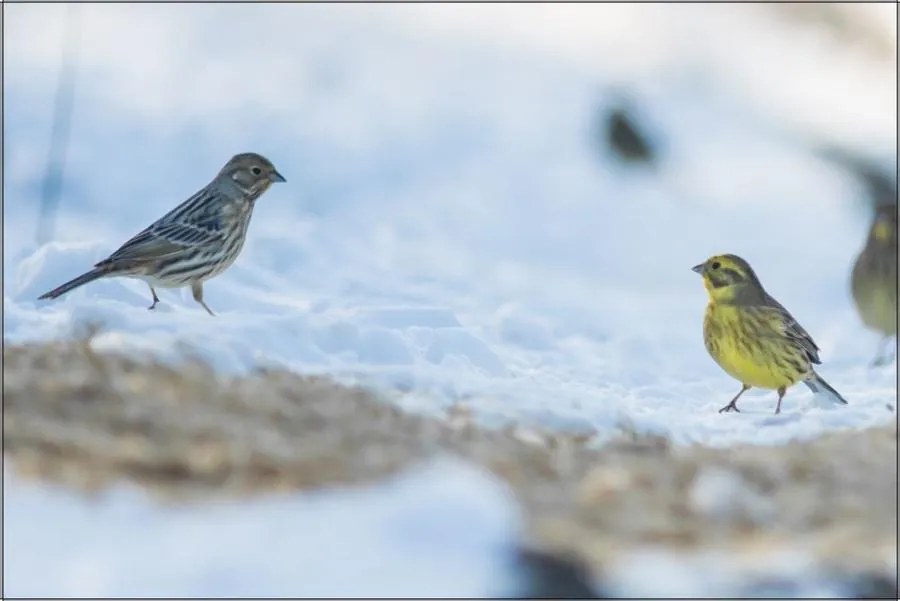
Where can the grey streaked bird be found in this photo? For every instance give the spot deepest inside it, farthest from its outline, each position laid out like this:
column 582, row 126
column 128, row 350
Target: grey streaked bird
column 196, row 240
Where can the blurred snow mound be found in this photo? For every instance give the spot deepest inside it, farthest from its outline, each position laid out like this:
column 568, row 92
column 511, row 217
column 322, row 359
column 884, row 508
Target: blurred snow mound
column 444, row 528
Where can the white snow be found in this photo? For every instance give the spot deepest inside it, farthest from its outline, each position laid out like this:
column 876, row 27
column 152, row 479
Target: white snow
column 449, row 232
column 723, row 495
column 441, row 529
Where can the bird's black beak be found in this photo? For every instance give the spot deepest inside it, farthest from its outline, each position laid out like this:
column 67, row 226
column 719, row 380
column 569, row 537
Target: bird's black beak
column 698, row 268
column 276, row 177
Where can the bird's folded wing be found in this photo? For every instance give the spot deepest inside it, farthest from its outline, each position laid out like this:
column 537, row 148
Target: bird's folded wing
column 164, row 239
column 793, row 331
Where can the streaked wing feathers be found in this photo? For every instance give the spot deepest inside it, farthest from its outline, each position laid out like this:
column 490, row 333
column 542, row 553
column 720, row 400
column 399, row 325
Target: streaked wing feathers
column 794, row 331
column 165, row 238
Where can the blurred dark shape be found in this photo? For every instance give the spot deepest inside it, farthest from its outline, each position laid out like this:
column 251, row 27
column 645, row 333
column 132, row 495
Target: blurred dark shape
column 880, row 181
column 874, row 586
column 59, row 134
column 623, row 135
column 546, row 576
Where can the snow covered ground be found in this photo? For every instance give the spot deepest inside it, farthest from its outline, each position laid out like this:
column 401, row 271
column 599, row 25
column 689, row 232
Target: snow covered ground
column 449, row 232
column 448, row 227
column 443, row 529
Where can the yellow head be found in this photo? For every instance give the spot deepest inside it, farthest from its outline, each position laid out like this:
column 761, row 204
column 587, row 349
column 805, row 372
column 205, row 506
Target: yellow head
column 884, row 226
column 729, row 278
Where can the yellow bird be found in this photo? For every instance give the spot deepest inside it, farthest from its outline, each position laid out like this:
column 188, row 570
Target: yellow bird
column 752, row 337
column 874, row 279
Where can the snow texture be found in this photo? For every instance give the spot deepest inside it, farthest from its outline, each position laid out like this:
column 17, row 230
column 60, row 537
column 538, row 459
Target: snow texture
column 442, row 529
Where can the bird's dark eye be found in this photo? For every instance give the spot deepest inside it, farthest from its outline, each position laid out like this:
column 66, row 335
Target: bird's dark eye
column 256, row 171
column 716, row 265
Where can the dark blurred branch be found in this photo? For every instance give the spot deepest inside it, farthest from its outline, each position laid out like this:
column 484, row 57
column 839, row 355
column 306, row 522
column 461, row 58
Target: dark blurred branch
column 59, row 135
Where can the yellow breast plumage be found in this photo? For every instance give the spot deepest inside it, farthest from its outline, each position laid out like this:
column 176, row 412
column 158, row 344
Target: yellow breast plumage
column 749, row 347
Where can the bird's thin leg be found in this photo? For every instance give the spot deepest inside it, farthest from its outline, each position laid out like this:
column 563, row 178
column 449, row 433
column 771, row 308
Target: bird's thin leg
column 197, row 290
column 155, row 298
column 732, row 406
column 780, row 396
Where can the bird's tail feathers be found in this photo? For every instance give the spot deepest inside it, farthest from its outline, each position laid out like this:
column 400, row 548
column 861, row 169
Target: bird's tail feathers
column 90, row 276
column 818, row 385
